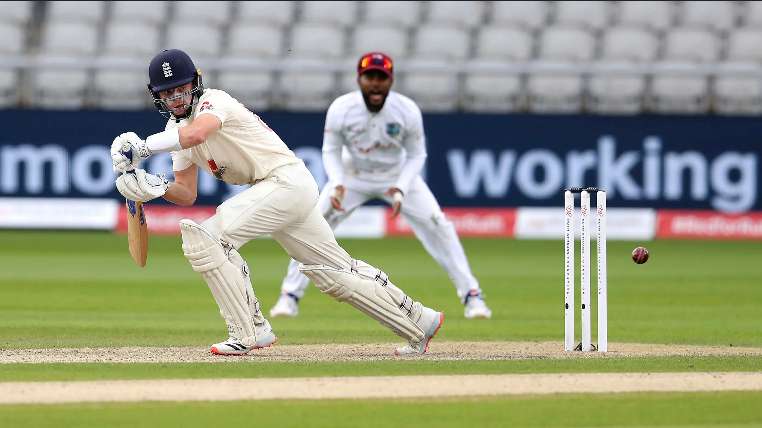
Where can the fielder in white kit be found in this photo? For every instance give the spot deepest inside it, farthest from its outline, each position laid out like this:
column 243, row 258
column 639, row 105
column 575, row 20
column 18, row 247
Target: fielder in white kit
column 380, row 134
column 210, row 130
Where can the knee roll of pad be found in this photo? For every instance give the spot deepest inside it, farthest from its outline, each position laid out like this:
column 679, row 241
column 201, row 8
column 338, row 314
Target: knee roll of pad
column 203, row 251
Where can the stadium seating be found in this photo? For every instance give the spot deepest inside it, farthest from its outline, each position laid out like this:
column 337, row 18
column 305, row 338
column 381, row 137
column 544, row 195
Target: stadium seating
column 589, row 15
column 486, row 56
column 86, row 12
column 530, row 15
column 652, row 15
column 464, row 14
column 340, row 13
column 275, row 13
column 403, row 14
column 215, row 13
column 139, row 12
column 560, row 92
column 16, row 12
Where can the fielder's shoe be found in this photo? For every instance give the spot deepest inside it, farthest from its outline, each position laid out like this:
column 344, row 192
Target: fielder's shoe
column 286, row 306
column 234, row 346
column 475, row 306
column 432, row 320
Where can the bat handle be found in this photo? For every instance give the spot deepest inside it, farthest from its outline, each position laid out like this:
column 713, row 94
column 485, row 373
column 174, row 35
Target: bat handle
column 128, row 154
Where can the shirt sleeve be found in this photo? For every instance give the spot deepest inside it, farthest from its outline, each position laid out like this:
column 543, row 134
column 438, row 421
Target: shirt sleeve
column 180, row 160
column 333, row 142
column 415, row 146
column 215, row 103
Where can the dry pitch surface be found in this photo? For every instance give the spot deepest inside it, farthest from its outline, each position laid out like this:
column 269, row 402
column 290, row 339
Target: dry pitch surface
column 366, row 387
column 449, row 351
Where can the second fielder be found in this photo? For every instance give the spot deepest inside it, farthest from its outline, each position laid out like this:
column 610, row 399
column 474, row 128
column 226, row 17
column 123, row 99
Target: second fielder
column 380, row 132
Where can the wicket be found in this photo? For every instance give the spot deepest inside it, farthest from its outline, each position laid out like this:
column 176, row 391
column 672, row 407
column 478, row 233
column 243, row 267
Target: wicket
column 569, row 284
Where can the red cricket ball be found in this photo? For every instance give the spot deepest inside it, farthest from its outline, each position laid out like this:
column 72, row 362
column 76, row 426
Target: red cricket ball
column 640, row 255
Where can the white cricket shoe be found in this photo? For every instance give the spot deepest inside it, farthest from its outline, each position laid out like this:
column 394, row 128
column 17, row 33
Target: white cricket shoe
column 475, row 307
column 433, row 320
column 286, row 306
column 234, row 346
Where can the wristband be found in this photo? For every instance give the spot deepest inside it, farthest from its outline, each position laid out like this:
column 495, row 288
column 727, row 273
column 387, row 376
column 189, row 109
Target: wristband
column 166, row 141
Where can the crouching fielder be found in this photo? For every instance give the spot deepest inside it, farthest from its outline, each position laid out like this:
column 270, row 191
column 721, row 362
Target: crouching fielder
column 210, row 130
column 381, row 132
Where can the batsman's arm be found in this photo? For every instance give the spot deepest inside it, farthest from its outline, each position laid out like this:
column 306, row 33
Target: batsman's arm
column 184, row 189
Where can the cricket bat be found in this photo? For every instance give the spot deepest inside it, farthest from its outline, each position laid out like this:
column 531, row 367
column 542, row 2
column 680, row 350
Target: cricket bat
column 137, row 232
column 137, row 228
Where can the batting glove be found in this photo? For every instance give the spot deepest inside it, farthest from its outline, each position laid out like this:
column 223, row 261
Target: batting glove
column 138, row 185
column 127, row 151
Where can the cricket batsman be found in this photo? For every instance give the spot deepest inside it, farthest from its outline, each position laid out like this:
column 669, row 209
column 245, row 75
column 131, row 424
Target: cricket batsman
column 380, row 133
column 207, row 129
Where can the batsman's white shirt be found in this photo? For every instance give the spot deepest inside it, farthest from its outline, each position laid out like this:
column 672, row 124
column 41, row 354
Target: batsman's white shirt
column 243, row 151
column 282, row 199
column 388, row 146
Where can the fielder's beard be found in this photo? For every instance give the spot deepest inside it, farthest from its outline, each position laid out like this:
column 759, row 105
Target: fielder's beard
column 375, row 108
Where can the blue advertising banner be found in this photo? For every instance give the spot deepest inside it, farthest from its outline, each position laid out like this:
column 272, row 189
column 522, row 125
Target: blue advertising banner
column 705, row 162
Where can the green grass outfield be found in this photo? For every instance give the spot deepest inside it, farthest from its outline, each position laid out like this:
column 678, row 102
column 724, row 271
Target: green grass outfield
column 78, row 289
column 732, row 409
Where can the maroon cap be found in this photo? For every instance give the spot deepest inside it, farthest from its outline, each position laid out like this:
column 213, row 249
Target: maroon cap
column 375, row 61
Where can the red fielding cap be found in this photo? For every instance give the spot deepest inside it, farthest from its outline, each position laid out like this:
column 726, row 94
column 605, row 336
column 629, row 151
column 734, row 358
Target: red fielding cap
column 375, row 61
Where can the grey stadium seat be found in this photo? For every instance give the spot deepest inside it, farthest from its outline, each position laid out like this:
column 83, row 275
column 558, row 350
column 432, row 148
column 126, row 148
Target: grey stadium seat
column 618, row 93
column 254, row 41
column 489, row 91
column 404, row 14
column 274, row 13
column 752, row 14
column 130, row 94
column 499, row 42
column 64, row 89
column 590, row 15
column 314, row 90
column 197, row 39
column 654, row 15
column 252, row 88
column 672, row 93
column 343, row 13
column 530, row 15
column 465, row 14
column 90, row 12
column 67, row 39
column 738, row 95
column 140, row 12
column 13, row 37
column 712, row 15
column 745, row 45
column 132, row 39
column 372, row 37
column 440, row 42
column 679, row 94
column 215, row 13
column 560, row 92
column 689, row 44
column 432, row 90
column 16, row 12
column 9, row 88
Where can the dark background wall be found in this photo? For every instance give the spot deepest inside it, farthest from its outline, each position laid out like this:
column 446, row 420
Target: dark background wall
column 706, row 162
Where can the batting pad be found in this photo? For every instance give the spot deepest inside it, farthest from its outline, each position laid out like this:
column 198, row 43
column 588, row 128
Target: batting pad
column 228, row 286
column 369, row 290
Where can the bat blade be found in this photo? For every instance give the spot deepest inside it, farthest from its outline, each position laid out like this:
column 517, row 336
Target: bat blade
column 137, row 232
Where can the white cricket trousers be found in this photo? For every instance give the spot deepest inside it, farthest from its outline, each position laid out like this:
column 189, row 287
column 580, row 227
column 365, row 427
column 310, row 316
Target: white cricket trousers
column 284, row 206
column 420, row 209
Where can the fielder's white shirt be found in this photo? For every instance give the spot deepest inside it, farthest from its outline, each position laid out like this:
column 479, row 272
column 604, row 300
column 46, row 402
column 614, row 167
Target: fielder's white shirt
column 243, row 150
column 387, row 146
